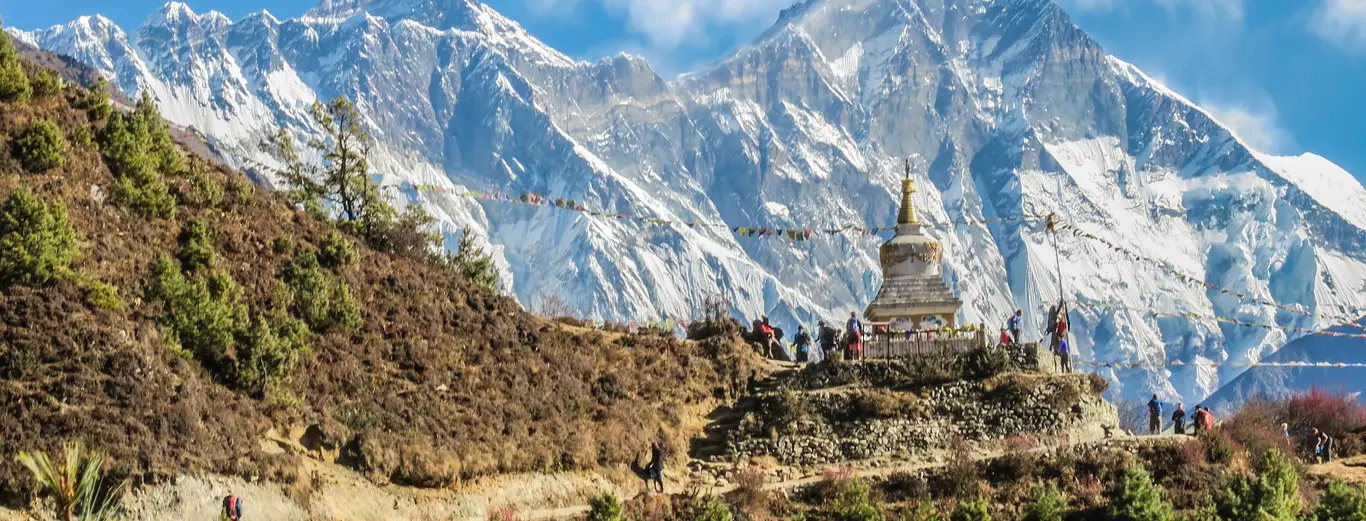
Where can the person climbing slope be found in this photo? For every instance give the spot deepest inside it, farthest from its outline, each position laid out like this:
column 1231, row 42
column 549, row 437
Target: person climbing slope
column 826, row 337
column 802, row 344
column 232, row 508
column 655, row 470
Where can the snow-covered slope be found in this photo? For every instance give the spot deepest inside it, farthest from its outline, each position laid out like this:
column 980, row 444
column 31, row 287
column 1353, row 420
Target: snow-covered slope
column 1011, row 107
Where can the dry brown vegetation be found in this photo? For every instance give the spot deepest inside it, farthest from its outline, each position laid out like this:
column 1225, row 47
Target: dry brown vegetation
column 441, row 382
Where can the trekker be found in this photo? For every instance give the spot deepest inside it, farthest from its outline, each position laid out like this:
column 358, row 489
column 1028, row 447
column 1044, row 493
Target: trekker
column 802, row 343
column 1005, row 337
column 1154, row 415
column 825, row 335
column 1064, row 356
column 1198, row 419
column 767, row 334
column 1204, row 420
column 1323, row 447
column 655, row 470
column 1052, row 322
column 232, row 508
column 854, row 330
column 1285, row 431
column 1179, row 419
column 1014, row 325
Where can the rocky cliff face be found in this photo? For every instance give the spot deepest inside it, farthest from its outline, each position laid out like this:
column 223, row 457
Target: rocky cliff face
column 1010, row 107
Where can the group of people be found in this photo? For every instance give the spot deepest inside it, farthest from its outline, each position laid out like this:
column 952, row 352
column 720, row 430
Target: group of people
column 1055, row 328
column 1201, row 418
column 806, row 349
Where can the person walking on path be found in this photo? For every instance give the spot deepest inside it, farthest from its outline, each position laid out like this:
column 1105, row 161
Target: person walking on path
column 825, row 336
column 1154, row 415
column 1014, row 324
column 1179, row 419
column 655, row 470
column 770, row 339
column 1064, row 356
column 854, row 329
column 802, row 343
column 1323, row 447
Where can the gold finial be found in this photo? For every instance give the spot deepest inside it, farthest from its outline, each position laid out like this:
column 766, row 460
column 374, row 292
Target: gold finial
column 907, row 215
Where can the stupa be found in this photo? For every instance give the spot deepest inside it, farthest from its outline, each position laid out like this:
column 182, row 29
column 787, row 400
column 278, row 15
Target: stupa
column 914, row 295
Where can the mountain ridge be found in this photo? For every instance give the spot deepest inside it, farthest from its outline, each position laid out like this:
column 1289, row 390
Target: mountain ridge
column 1011, row 108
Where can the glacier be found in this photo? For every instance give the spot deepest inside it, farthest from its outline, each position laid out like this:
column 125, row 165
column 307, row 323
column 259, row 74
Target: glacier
column 1009, row 107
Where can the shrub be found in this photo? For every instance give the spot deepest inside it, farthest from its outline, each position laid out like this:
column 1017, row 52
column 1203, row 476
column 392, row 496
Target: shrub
column 1218, row 449
column 1333, row 413
column 711, row 508
column 975, row 510
column 984, row 363
column 268, row 352
column 196, row 247
column 203, row 315
column 606, row 508
column 1046, row 504
column 40, row 147
column 855, row 504
column 46, row 83
column 919, row 511
column 83, row 137
column 1256, row 428
column 470, row 262
column 36, row 241
column 77, row 487
column 1276, row 493
column 146, row 194
column 96, row 102
column 1340, row 502
column 203, row 191
column 102, row 295
column 336, row 251
column 506, row 513
column 316, row 298
column 14, row 86
column 283, row 245
column 750, row 497
column 1135, row 498
column 1206, row 511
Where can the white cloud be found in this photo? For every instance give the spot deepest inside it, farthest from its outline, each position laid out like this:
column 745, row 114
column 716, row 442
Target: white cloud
column 1342, row 22
column 1258, row 126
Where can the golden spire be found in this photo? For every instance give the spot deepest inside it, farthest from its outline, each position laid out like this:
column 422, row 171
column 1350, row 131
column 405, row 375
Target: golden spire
column 907, row 215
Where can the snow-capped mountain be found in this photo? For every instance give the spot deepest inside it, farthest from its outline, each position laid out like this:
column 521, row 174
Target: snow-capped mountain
column 1012, row 108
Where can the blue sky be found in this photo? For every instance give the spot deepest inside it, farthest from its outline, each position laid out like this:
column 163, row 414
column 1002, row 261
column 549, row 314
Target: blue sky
column 1285, row 74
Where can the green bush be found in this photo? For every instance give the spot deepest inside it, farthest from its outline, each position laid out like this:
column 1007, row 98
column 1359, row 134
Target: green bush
column 919, row 511
column 203, row 191
column 283, row 245
column 83, row 137
column 96, row 103
column 14, row 86
column 1218, row 450
column 41, row 147
column 1340, row 502
column 975, row 510
column 316, row 298
column 102, row 295
column 196, row 247
column 146, row 193
column 1273, row 496
column 336, row 251
column 606, row 508
column 1136, row 498
column 1206, row 511
column 46, row 83
column 854, row 503
column 268, row 351
column 203, row 315
column 37, row 243
column 1047, row 504
column 711, row 508
column 470, row 262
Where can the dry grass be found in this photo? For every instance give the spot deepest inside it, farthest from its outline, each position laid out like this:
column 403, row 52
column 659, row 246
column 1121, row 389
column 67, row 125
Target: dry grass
column 443, row 382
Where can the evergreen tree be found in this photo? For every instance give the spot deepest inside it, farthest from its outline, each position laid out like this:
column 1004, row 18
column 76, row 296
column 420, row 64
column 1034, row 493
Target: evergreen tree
column 46, row 83
column 41, row 147
column 854, row 503
column 1046, row 505
column 1341, row 502
column 606, row 508
column 14, row 86
column 1278, row 488
column 196, row 247
column 975, row 510
column 1136, row 498
column 37, row 243
column 96, row 103
column 470, row 261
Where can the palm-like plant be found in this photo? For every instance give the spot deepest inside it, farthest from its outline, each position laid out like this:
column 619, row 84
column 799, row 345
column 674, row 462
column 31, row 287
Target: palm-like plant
column 77, row 486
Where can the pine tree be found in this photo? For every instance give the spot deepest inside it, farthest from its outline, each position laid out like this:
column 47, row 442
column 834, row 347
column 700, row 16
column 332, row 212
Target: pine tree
column 1136, row 498
column 46, row 83
column 606, row 508
column 1046, row 505
column 1277, row 489
column 41, row 147
column 472, row 263
column 14, row 85
column 975, row 510
column 1341, row 502
column 37, row 243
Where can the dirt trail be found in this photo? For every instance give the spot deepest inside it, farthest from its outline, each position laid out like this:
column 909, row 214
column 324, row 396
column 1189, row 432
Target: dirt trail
column 863, row 469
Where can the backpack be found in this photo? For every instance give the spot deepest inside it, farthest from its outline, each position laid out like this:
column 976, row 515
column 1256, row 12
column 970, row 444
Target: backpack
column 232, row 508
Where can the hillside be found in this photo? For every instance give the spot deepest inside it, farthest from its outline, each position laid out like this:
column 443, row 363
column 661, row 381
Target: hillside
column 185, row 319
column 1010, row 107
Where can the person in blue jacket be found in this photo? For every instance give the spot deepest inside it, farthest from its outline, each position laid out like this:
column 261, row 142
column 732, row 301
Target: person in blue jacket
column 1154, row 415
column 1014, row 324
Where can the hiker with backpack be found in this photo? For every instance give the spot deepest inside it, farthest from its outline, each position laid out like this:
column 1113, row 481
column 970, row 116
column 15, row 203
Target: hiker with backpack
column 1064, row 356
column 1323, row 447
column 232, row 508
column 825, row 335
column 768, row 336
column 802, row 345
column 1014, row 324
column 1154, row 415
column 854, row 331
column 1179, row 419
